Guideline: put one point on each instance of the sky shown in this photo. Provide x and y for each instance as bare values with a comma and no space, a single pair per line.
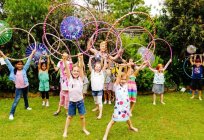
156,5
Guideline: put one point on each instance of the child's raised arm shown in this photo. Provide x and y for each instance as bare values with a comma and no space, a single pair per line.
81,65
90,67
8,63
48,62
39,63
139,68
191,60
27,65
119,75
66,68
105,65
89,47
167,64
153,70
2,54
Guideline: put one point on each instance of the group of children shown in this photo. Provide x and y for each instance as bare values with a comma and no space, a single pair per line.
73,84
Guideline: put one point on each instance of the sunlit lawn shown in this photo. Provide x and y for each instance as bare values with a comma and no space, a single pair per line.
180,118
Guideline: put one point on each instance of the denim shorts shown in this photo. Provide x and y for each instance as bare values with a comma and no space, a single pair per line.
76,105
97,93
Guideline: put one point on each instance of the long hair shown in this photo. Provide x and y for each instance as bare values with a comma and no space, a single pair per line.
16,62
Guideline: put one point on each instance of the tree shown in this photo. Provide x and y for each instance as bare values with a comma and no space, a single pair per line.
181,24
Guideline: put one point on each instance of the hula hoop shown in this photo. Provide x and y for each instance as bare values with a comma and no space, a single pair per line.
27,33
140,27
159,39
51,46
131,13
41,24
92,43
65,4
68,49
105,30
184,69
139,45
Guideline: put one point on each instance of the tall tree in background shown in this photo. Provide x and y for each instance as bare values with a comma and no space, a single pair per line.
182,24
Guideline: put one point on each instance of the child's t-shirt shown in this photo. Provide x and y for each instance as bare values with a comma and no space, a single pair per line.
19,83
197,72
97,80
158,78
75,89
61,66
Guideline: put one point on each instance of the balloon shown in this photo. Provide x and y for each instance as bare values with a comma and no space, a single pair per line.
191,49
71,28
40,51
5,35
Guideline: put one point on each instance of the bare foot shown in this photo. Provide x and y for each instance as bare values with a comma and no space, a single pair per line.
86,132
99,117
65,135
163,103
134,129
154,103
192,97
95,109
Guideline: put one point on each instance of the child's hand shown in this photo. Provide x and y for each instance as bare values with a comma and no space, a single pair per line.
1,53
80,55
34,51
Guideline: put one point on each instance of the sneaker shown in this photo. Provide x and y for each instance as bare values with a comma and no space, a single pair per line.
47,104
11,117
105,102
109,102
200,99
43,103
28,108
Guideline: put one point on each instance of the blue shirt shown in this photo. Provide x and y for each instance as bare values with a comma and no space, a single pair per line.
11,69
197,72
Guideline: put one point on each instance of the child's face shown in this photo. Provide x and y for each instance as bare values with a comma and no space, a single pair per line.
160,69
19,65
123,79
64,55
44,67
198,64
130,60
103,47
75,72
97,67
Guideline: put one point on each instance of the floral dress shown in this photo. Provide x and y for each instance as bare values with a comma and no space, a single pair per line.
122,103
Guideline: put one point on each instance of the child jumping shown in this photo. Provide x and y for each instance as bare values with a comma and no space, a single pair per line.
197,74
122,103
158,82
76,100
43,76
19,76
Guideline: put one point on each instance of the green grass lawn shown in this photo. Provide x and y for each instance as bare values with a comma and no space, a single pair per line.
181,118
